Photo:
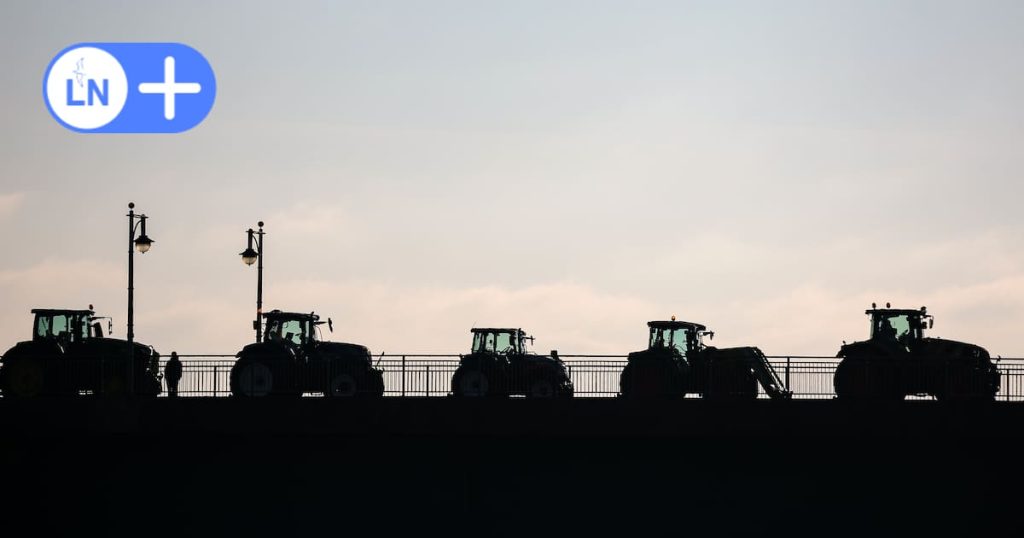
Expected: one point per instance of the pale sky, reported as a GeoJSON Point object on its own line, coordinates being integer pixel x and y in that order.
{"type": "Point", "coordinates": [572, 168]}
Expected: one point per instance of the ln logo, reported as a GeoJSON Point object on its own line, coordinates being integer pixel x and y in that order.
{"type": "Point", "coordinates": [129, 87]}
{"type": "Point", "coordinates": [86, 88]}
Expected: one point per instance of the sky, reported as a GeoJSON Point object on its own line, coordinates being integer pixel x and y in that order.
{"type": "Point", "coordinates": [574, 168]}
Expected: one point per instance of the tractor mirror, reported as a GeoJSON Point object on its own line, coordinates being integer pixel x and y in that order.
{"type": "Point", "coordinates": [255, 324]}
{"type": "Point", "coordinates": [931, 322]}
{"type": "Point", "coordinates": [330, 324]}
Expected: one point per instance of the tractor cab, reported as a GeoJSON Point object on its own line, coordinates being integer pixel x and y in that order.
{"type": "Point", "coordinates": [298, 329]}
{"type": "Point", "coordinates": [680, 337]}
{"type": "Point", "coordinates": [900, 326]}
{"type": "Point", "coordinates": [500, 341]}
{"type": "Point", "coordinates": [65, 326]}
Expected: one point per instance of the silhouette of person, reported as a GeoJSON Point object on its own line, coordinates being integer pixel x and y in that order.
{"type": "Point", "coordinates": [172, 373]}
{"type": "Point", "coordinates": [886, 331]}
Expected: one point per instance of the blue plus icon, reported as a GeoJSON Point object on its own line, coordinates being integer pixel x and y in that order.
{"type": "Point", "coordinates": [117, 87]}
{"type": "Point", "coordinates": [169, 87]}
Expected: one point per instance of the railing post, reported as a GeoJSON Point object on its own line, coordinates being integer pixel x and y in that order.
{"type": "Point", "coordinates": [787, 375]}
{"type": "Point", "coordinates": [428, 380]}
{"type": "Point", "coordinates": [215, 380]}
{"type": "Point", "coordinates": [403, 376]}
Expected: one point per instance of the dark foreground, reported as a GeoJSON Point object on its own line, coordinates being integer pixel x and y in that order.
{"type": "Point", "coordinates": [447, 467]}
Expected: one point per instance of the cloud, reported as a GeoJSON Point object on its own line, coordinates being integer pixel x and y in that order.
{"type": "Point", "coordinates": [567, 316]}
{"type": "Point", "coordinates": [10, 203]}
{"type": "Point", "coordinates": [576, 318]}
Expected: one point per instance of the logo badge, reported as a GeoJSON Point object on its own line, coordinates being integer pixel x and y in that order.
{"type": "Point", "coordinates": [129, 87]}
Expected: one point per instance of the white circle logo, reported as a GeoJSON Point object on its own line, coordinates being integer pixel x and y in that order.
{"type": "Point", "coordinates": [86, 88]}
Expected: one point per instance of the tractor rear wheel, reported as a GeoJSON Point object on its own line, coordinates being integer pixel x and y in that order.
{"type": "Point", "coordinates": [867, 379]}
{"type": "Point", "coordinates": [23, 378]}
{"type": "Point", "coordinates": [652, 379]}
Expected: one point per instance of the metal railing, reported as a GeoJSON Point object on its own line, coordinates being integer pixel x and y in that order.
{"type": "Point", "coordinates": [593, 376]}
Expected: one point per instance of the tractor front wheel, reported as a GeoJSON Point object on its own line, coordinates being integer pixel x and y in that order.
{"type": "Point", "coordinates": [252, 379]}
{"type": "Point", "coordinates": [343, 385]}
{"type": "Point", "coordinates": [541, 387]}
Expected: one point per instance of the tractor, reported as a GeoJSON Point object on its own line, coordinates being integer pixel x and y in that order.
{"type": "Point", "coordinates": [292, 360]}
{"type": "Point", "coordinates": [676, 363]}
{"type": "Point", "coordinates": [898, 361]}
{"type": "Point", "coordinates": [68, 355]}
{"type": "Point", "coordinates": [499, 365]}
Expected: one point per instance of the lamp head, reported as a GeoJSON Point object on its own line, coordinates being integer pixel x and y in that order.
{"type": "Point", "coordinates": [249, 256]}
{"type": "Point", "coordinates": [143, 244]}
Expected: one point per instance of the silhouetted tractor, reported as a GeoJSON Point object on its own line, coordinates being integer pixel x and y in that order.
{"type": "Point", "coordinates": [676, 363]}
{"type": "Point", "coordinates": [292, 360]}
{"type": "Point", "coordinates": [898, 361]}
{"type": "Point", "coordinates": [499, 365]}
{"type": "Point", "coordinates": [69, 355]}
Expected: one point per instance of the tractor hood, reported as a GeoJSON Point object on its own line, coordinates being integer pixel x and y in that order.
{"type": "Point", "coordinates": [336, 349]}
{"type": "Point", "coordinates": [114, 346]}
{"type": "Point", "coordinates": [938, 346]}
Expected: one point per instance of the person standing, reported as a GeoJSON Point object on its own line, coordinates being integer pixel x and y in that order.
{"type": "Point", "coordinates": [172, 373]}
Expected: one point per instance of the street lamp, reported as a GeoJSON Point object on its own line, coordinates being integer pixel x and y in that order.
{"type": "Point", "coordinates": [143, 243]}
{"type": "Point", "coordinates": [249, 257]}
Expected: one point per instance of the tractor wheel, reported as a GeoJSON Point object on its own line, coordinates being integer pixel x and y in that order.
{"type": "Point", "coordinates": [473, 384]}
{"type": "Point", "coordinates": [252, 379]}
{"type": "Point", "coordinates": [541, 387]}
{"type": "Point", "coordinates": [343, 385]}
{"type": "Point", "coordinates": [23, 379]}
{"type": "Point", "coordinates": [862, 380]}
{"type": "Point", "coordinates": [652, 380]}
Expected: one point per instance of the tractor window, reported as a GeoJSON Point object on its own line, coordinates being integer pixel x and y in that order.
{"type": "Point", "coordinates": [291, 330]}
{"type": "Point", "coordinates": [670, 338]}
{"type": "Point", "coordinates": [57, 326]}
{"type": "Point", "coordinates": [504, 343]}
{"type": "Point", "coordinates": [495, 343]}
{"type": "Point", "coordinates": [896, 327]}
{"type": "Point", "coordinates": [679, 340]}
{"type": "Point", "coordinates": [42, 326]}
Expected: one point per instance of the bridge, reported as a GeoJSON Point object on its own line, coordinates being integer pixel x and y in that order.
{"type": "Point", "coordinates": [415, 460]}
{"type": "Point", "coordinates": [594, 376]}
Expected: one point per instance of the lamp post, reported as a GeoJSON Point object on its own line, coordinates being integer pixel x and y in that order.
{"type": "Point", "coordinates": [249, 257]}
{"type": "Point", "coordinates": [142, 244]}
